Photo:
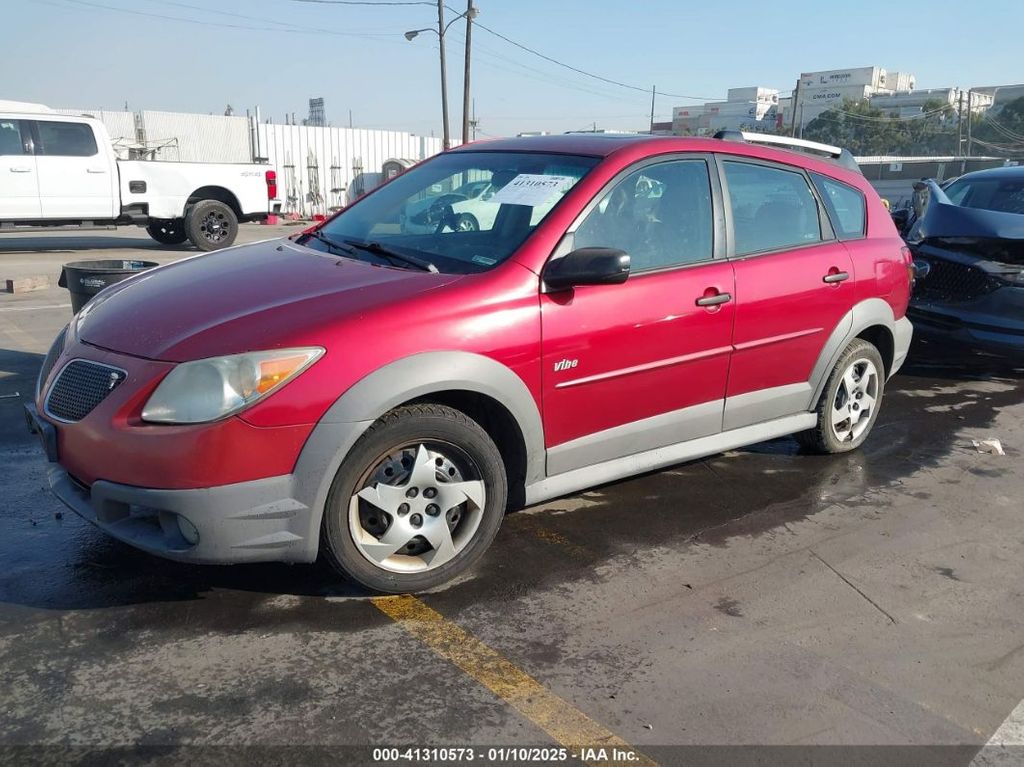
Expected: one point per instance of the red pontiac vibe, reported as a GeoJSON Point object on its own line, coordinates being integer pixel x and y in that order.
{"type": "Point", "coordinates": [505, 323]}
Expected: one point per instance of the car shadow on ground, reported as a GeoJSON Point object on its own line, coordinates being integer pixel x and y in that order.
{"type": "Point", "coordinates": [56, 561]}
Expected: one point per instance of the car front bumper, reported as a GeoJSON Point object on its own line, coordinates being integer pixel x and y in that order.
{"type": "Point", "coordinates": [256, 521]}
{"type": "Point", "coordinates": [994, 323]}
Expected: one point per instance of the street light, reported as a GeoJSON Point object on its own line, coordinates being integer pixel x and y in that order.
{"type": "Point", "coordinates": [442, 28]}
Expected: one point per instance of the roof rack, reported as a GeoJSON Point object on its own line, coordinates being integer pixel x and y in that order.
{"type": "Point", "coordinates": [838, 155]}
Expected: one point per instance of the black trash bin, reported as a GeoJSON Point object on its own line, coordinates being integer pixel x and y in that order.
{"type": "Point", "coordinates": [84, 279]}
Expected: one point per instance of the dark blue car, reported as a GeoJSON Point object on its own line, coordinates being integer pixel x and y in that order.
{"type": "Point", "coordinates": [968, 247]}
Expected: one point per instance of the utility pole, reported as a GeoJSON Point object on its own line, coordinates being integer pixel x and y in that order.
{"type": "Point", "coordinates": [792, 117]}
{"type": "Point", "coordinates": [970, 93]}
{"type": "Point", "coordinates": [470, 14]}
{"type": "Point", "coordinates": [474, 123]}
{"type": "Point", "coordinates": [960, 123]}
{"type": "Point", "coordinates": [446, 140]}
{"type": "Point", "coordinates": [653, 92]}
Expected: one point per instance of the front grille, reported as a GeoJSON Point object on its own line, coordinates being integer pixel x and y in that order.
{"type": "Point", "coordinates": [80, 386]}
{"type": "Point", "coordinates": [51, 359]}
{"type": "Point", "coordinates": [950, 281]}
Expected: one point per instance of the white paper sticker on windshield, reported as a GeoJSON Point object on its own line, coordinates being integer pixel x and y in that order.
{"type": "Point", "coordinates": [532, 189]}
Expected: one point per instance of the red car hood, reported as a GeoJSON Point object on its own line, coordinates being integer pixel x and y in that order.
{"type": "Point", "coordinates": [260, 296]}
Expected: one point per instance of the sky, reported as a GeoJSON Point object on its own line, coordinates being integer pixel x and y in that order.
{"type": "Point", "coordinates": [201, 55]}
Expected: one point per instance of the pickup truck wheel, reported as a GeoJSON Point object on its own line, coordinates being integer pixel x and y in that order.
{"type": "Point", "coordinates": [170, 231]}
{"type": "Point", "coordinates": [211, 225]}
{"type": "Point", "coordinates": [849, 405]}
{"type": "Point", "coordinates": [417, 501]}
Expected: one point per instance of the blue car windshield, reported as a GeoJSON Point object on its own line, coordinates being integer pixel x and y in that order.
{"type": "Point", "coordinates": [463, 212]}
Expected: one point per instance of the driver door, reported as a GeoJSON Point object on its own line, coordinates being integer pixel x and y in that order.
{"type": "Point", "coordinates": [641, 365]}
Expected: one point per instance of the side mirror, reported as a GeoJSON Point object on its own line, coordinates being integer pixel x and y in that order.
{"type": "Point", "coordinates": [587, 266]}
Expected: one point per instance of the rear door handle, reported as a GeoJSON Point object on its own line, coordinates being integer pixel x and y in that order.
{"type": "Point", "coordinates": [20, 169]}
{"type": "Point", "coordinates": [715, 300]}
{"type": "Point", "coordinates": [95, 170]}
{"type": "Point", "coordinates": [833, 277]}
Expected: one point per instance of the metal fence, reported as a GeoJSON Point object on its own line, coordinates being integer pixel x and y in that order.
{"type": "Point", "coordinates": [318, 168]}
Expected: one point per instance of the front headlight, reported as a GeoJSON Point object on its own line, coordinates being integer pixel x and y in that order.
{"type": "Point", "coordinates": [205, 390]}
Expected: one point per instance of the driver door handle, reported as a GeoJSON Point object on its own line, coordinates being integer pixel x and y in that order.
{"type": "Point", "coordinates": [715, 300]}
{"type": "Point", "coordinates": [833, 277]}
{"type": "Point", "coordinates": [21, 169]}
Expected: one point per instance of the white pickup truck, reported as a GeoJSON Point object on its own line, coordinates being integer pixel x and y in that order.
{"type": "Point", "coordinates": [60, 172]}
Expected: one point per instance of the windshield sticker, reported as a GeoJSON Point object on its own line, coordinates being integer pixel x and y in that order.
{"type": "Point", "coordinates": [532, 189]}
{"type": "Point", "coordinates": [484, 260]}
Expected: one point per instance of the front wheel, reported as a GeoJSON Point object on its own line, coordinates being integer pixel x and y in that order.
{"type": "Point", "coordinates": [416, 502]}
{"type": "Point", "coordinates": [849, 405]}
{"type": "Point", "coordinates": [211, 225]}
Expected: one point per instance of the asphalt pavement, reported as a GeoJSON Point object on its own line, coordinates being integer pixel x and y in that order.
{"type": "Point", "coordinates": [760, 598]}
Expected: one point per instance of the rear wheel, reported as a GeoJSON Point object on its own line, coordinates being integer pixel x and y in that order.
{"type": "Point", "coordinates": [168, 231]}
{"type": "Point", "coordinates": [211, 225]}
{"type": "Point", "coordinates": [417, 501]}
{"type": "Point", "coordinates": [849, 405]}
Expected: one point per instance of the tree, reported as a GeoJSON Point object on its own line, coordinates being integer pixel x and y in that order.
{"type": "Point", "coordinates": [999, 132]}
{"type": "Point", "coordinates": [867, 130]}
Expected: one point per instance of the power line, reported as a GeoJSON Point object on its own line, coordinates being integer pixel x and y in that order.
{"type": "Point", "coordinates": [583, 72]}
{"type": "Point", "coordinates": [263, 19]}
{"type": "Point", "coordinates": [291, 28]}
{"type": "Point", "coordinates": [366, 2]}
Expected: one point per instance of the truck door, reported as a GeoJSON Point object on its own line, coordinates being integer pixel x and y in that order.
{"type": "Point", "coordinates": [19, 182]}
{"type": "Point", "coordinates": [77, 177]}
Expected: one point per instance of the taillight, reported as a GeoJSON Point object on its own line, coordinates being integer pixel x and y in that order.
{"type": "Point", "coordinates": [908, 260]}
{"type": "Point", "coordinates": [271, 176]}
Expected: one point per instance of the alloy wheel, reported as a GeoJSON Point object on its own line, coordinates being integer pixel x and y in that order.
{"type": "Point", "coordinates": [854, 403]}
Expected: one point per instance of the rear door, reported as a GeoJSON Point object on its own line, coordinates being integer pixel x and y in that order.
{"type": "Point", "coordinates": [641, 365]}
{"type": "Point", "coordinates": [794, 285]}
{"type": "Point", "coordinates": [77, 179]}
{"type": "Point", "coordinates": [19, 182]}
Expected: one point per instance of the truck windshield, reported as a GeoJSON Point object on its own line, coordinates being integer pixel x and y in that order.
{"type": "Point", "coordinates": [463, 212]}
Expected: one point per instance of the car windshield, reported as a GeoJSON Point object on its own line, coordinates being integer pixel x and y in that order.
{"type": "Point", "coordinates": [462, 212]}
{"type": "Point", "coordinates": [1000, 195]}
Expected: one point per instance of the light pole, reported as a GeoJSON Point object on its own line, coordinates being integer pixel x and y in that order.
{"type": "Point", "coordinates": [442, 28]}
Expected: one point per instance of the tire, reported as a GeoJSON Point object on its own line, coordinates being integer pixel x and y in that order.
{"type": "Point", "coordinates": [465, 222]}
{"type": "Point", "coordinates": [424, 452]}
{"type": "Point", "coordinates": [211, 225]}
{"type": "Point", "coordinates": [168, 231]}
{"type": "Point", "coordinates": [860, 372]}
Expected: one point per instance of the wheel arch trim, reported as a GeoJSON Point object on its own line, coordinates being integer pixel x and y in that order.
{"type": "Point", "coordinates": [406, 379]}
{"type": "Point", "coordinates": [868, 313]}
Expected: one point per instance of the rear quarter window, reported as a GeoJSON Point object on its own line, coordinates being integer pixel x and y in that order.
{"type": "Point", "coordinates": [845, 206]}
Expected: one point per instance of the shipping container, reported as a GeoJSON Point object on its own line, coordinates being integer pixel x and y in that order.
{"type": "Point", "coordinates": [872, 77]}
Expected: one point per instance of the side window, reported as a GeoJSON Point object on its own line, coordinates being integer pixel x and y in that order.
{"type": "Point", "coordinates": [10, 138]}
{"type": "Point", "coordinates": [65, 139]}
{"type": "Point", "coordinates": [845, 205]}
{"type": "Point", "coordinates": [660, 215]}
{"type": "Point", "coordinates": [771, 208]}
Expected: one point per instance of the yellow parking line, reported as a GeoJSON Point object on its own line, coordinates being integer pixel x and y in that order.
{"type": "Point", "coordinates": [560, 719]}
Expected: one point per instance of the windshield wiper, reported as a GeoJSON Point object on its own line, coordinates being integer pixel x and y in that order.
{"type": "Point", "coordinates": [377, 249]}
{"type": "Point", "coordinates": [332, 244]}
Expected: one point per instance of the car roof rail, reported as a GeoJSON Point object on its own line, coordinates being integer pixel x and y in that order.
{"type": "Point", "coordinates": [838, 155]}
